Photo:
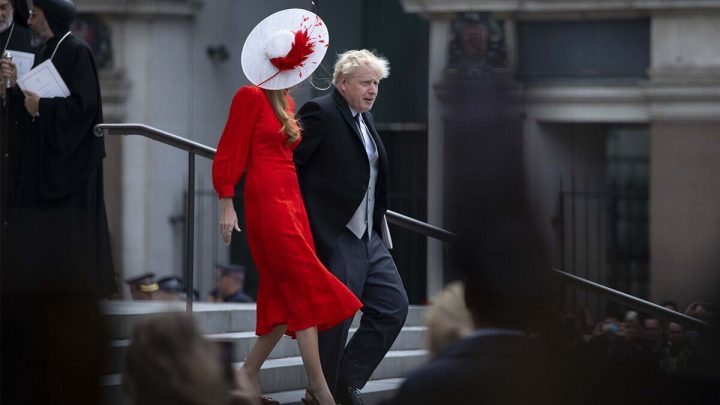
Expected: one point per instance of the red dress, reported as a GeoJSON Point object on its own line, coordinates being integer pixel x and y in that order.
{"type": "Point", "coordinates": [295, 288]}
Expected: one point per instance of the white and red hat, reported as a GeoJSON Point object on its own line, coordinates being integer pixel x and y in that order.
{"type": "Point", "coordinates": [284, 49]}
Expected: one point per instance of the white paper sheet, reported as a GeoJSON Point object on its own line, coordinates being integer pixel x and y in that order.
{"type": "Point", "coordinates": [23, 61]}
{"type": "Point", "coordinates": [45, 81]}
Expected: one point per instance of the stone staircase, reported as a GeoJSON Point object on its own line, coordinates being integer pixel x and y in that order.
{"type": "Point", "coordinates": [282, 376]}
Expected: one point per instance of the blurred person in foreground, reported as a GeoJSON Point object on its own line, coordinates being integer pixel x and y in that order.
{"type": "Point", "coordinates": [499, 255]}
{"type": "Point", "coordinates": [170, 362]}
{"type": "Point", "coordinates": [447, 318]}
{"type": "Point", "coordinates": [54, 346]}
{"type": "Point", "coordinates": [506, 273]}
{"type": "Point", "coordinates": [58, 227]}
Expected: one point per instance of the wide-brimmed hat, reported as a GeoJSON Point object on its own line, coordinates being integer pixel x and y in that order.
{"type": "Point", "coordinates": [284, 49]}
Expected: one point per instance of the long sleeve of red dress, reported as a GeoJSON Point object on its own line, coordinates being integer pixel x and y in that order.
{"type": "Point", "coordinates": [232, 151]}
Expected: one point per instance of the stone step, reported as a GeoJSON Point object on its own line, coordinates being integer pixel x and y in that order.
{"type": "Point", "coordinates": [121, 316]}
{"type": "Point", "coordinates": [410, 338]}
{"type": "Point", "coordinates": [287, 374]}
{"type": "Point", "coordinates": [212, 318]}
{"type": "Point", "coordinates": [373, 393]}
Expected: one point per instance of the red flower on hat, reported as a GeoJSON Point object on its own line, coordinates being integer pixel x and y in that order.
{"type": "Point", "coordinates": [300, 50]}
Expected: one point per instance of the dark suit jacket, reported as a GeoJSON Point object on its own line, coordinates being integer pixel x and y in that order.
{"type": "Point", "coordinates": [478, 370]}
{"type": "Point", "coordinates": [333, 169]}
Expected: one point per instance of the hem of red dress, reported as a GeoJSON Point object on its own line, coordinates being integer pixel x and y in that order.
{"type": "Point", "coordinates": [320, 326]}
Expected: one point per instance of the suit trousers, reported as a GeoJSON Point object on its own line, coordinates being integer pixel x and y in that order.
{"type": "Point", "coordinates": [367, 268]}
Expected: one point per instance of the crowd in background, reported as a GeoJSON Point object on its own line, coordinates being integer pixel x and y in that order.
{"type": "Point", "coordinates": [658, 345]}
{"type": "Point", "coordinates": [229, 287]}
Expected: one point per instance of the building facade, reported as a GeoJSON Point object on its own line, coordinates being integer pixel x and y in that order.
{"type": "Point", "coordinates": [175, 65]}
{"type": "Point", "coordinates": [621, 131]}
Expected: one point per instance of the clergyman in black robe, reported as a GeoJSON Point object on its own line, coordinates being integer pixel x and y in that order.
{"type": "Point", "coordinates": [14, 36]}
{"type": "Point", "coordinates": [59, 237]}
{"type": "Point", "coordinates": [14, 31]}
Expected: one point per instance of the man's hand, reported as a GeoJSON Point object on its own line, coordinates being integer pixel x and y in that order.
{"type": "Point", "coordinates": [32, 103]}
{"type": "Point", "coordinates": [8, 71]}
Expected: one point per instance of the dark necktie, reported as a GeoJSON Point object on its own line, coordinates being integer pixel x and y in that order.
{"type": "Point", "coordinates": [369, 146]}
{"type": "Point", "coordinates": [356, 117]}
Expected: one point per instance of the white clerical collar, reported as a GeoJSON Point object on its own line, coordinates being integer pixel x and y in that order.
{"type": "Point", "coordinates": [11, 28]}
{"type": "Point", "coordinates": [58, 44]}
{"type": "Point", "coordinates": [353, 112]}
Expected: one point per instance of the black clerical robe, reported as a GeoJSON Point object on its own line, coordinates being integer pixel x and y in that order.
{"type": "Point", "coordinates": [15, 38]}
{"type": "Point", "coordinates": [59, 234]}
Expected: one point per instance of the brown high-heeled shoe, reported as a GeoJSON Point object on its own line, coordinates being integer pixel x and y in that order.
{"type": "Point", "coordinates": [312, 400]}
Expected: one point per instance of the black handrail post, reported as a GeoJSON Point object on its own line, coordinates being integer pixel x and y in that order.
{"type": "Point", "coordinates": [190, 233]}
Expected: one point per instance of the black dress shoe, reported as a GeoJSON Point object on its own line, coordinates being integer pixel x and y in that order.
{"type": "Point", "coordinates": [348, 396]}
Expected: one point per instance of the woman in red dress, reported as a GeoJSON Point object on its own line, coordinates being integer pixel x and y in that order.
{"type": "Point", "coordinates": [297, 295]}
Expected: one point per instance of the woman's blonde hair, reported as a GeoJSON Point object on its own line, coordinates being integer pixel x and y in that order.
{"type": "Point", "coordinates": [290, 127]}
{"type": "Point", "coordinates": [350, 61]}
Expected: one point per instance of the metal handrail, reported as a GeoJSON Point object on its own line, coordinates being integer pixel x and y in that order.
{"type": "Point", "coordinates": [420, 227]}
{"type": "Point", "coordinates": [194, 148]}
{"type": "Point", "coordinates": [634, 302]}
{"type": "Point", "coordinates": [156, 135]}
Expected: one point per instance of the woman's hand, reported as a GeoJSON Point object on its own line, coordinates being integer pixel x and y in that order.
{"type": "Point", "coordinates": [228, 220]}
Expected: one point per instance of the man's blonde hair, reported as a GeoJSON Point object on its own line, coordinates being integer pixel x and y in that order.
{"type": "Point", "coordinates": [350, 61]}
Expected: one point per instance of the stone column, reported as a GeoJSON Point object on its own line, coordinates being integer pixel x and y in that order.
{"type": "Point", "coordinates": [150, 48]}
{"type": "Point", "coordinates": [482, 172]}
{"type": "Point", "coordinates": [684, 97]}
{"type": "Point", "coordinates": [439, 38]}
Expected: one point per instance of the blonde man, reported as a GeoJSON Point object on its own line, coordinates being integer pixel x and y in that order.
{"type": "Point", "coordinates": [342, 168]}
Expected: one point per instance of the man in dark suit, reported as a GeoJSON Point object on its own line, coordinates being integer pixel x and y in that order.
{"type": "Point", "coordinates": [505, 276]}
{"type": "Point", "coordinates": [342, 169]}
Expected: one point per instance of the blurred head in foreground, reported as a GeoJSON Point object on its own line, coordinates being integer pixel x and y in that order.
{"type": "Point", "coordinates": [170, 362]}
